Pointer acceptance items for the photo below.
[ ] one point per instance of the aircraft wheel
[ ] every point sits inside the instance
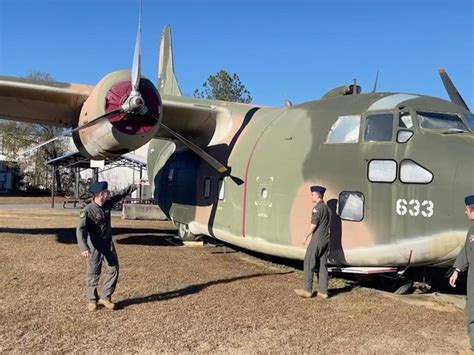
(399, 286)
(184, 233)
(405, 289)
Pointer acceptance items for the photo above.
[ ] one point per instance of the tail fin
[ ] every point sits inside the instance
(167, 83)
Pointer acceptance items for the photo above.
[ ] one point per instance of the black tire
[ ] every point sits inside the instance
(404, 289)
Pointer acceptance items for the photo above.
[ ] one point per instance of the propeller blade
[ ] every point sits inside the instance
(66, 133)
(137, 56)
(201, 153)
(39, 145)
(453, 93)
(95, 120)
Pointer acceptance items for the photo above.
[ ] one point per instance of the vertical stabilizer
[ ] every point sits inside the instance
(167, 83)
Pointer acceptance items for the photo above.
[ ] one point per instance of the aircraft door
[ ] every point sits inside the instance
(416, 204)
(379, 158)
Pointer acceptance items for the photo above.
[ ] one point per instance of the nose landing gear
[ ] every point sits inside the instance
(184, 233)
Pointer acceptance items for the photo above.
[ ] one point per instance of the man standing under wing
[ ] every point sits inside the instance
(316, 257)
(463, 262)
(94, 237)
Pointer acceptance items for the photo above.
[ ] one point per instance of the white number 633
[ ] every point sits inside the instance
(414, 207)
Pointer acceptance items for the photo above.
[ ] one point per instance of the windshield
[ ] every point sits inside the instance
(447, 122)
(470, 120)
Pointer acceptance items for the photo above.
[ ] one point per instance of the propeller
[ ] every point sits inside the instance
(133, 104)
(69, 132)
(197, 150)
(453, 93)
(137, 55)
(136, 104)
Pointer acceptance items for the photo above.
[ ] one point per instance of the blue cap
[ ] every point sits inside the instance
(316, 188)
(98, 187)
(469, 200)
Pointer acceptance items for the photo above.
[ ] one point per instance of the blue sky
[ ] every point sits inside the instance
(280, 49)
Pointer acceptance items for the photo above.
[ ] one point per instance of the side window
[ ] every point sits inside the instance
(413, 173)
(207, 188)
(344, 130)
(405, 120)
(221, 189)
(351, 206)
(382, 170)
(405, 123)
(404, 135)
(379, 127)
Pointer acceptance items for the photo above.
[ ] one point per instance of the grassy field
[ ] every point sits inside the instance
(179, 299)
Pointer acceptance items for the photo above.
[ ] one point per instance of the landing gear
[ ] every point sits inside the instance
(399, 286)
(404, 288)
(184, 233)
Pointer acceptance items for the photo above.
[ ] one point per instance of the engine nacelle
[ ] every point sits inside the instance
(123, 132)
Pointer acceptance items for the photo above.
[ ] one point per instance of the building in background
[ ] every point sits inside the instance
(7, 173)
(120, 177)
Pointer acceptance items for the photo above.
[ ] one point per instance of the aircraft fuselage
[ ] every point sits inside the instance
(395, 178)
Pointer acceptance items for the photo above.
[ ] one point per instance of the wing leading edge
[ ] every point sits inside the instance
(38, 101)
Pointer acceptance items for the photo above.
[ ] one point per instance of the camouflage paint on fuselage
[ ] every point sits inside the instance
(275, 154)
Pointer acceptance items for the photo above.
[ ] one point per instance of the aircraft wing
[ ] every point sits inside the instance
(38, 101)
(201, 121)
(59, 104)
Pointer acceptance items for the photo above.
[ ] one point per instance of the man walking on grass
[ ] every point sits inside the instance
(94, 237)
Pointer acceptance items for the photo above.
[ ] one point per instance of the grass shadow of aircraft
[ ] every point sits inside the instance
(135, 236)
(189, 290)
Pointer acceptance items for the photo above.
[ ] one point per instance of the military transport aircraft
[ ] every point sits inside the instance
(396, 165)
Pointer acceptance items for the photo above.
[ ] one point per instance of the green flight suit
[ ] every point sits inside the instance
(94, 234)
(463, 262)
(316, 257)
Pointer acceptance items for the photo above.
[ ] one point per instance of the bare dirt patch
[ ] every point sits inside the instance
(178, 299)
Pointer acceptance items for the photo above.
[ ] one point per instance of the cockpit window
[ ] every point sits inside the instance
(447, 122)
(344, 130)
(470, 119)
(379, 127)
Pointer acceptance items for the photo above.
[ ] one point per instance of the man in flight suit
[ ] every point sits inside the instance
(463, 262)
(94, 237)
(316, 257)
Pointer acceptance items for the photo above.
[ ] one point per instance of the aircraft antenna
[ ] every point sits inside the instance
(375, 82)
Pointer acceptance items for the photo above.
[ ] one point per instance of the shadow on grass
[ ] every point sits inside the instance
(151, 239)
(338, 291)
(189, 290)
(68, 235)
